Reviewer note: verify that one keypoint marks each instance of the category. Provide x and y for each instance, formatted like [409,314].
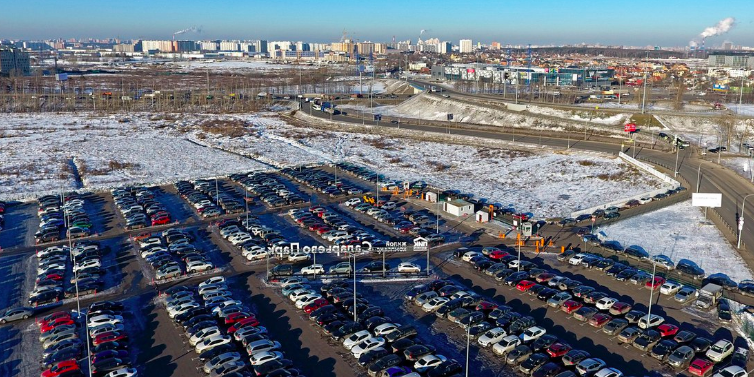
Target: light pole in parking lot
[355,297]
[651,291]
[468,344]
[78,301]
[677,151]
[741,221]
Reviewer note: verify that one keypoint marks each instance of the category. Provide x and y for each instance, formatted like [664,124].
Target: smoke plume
[722,27]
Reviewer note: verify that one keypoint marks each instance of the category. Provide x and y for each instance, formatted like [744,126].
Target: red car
[235,317]
[600,319]
[656,283]
[51,276]
[53,316]
[318,303]
[251,321]
[316,209]
[406,229]
[486,306]
[323,230]
[45,327]
[61,367]
[571,306]
[667,329]
[544,277]
[558,349]
[620,308]
[525,285]
[160,220]
[497,254]
[112,336]
[701,367]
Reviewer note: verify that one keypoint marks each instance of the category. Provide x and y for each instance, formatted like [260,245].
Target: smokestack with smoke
[722,27]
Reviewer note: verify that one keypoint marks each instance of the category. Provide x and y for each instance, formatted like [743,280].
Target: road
[713,178]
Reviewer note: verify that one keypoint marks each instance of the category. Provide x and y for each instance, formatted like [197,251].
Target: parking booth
[430,197]
[482,216]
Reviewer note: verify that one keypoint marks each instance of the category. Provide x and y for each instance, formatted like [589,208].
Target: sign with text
[629,127]
[713,200]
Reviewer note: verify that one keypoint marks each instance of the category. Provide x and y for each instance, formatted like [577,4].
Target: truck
[708,296]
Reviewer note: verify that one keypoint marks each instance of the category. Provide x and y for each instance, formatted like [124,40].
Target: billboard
[629,127]
[713,200]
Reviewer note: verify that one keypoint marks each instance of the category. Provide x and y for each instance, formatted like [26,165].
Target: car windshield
[726,373]
[717,348]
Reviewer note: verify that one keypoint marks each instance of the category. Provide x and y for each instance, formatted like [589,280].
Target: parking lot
[140,271]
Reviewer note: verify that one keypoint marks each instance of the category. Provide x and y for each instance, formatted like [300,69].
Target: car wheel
[26,316]
[3,321]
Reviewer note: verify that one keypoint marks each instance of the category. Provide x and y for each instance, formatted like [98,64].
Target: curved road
[714,178]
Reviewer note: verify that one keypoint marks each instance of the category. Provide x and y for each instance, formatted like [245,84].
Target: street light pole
[468,345]
[651,291]
[354,285]
[741,221]
[677,151]
[699,175]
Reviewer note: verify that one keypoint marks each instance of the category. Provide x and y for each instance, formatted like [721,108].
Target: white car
[299,256]
[260,358]
[664,261]
[229,231]
[210,288]
[315,269]
[649,321]
[227,357]
[609,372]
[506,345]
[385,328]
[199,266]
[107,327]
[670,288]
[352,202]
[367,345]
[459,294]
[203,334]
[123,372]
[355,339]
[434,304]
[720,350]
[211,342]
[306,300]
[243,331]
[732,371]
[172,312]
[212,280]
[576,259]
[492,336]
[254,253]
[300,293]
[605,303]
[104,319]
[293,280]
[428,362]
[240,238]
[408,267]
[531,334]
[466,257]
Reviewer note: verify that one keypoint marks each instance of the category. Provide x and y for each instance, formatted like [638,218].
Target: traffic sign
[629,127]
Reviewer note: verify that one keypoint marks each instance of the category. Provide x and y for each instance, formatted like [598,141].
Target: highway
[713,178]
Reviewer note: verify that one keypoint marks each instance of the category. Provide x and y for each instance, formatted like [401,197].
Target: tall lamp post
[651,292]
[741,221]
[468,346]
[699,175]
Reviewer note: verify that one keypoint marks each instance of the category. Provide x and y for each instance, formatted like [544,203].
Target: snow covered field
[676,231]
[39,152]
[544,182]
[234,65]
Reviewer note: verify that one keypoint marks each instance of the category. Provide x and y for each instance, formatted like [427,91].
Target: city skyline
[549,23]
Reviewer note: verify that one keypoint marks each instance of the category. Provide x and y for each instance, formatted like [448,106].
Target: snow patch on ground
[676,231]
[234,65]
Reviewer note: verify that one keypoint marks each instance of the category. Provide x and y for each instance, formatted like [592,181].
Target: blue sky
[636,22]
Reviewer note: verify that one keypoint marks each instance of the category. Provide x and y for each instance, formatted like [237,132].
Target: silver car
[220,360]
[16,314]
[686,294]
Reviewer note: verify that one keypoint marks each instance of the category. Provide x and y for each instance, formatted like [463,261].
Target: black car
[522,324]
[191,314]
[537,289]
[444,369]
[191,322]
[110,346]
[264,369]
[373,355]
[384,363]
[626,274]
[346,329]
[647,340]
[546,293]
[282,270]
[548,370]
[64,354]
[615,326]
[212,352]
[543,342]
[331,327]
[106,365]
[700,344]
[417,290]
[534,361]
[322,311]
[516,277]
[721,280]
[507,319]
[615,269]
[723,311]
[684,336]
[688,267]
[402,332]
[401,344]
[574,357]
[661,350]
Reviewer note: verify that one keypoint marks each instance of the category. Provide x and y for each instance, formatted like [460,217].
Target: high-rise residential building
[14,62]
[229,46]
[184,46]
[445,47]
[365,48]
[727,45]
[161,46]
[465,46]
[209,45]
[495,46]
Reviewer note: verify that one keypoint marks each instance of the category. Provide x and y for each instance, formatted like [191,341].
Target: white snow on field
[584,116]
[544,182]
[741,165]
[235,65]
[711,131]
[743,109]
[677,232]
[37,151]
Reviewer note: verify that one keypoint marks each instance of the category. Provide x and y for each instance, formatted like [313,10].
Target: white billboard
[713,200]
